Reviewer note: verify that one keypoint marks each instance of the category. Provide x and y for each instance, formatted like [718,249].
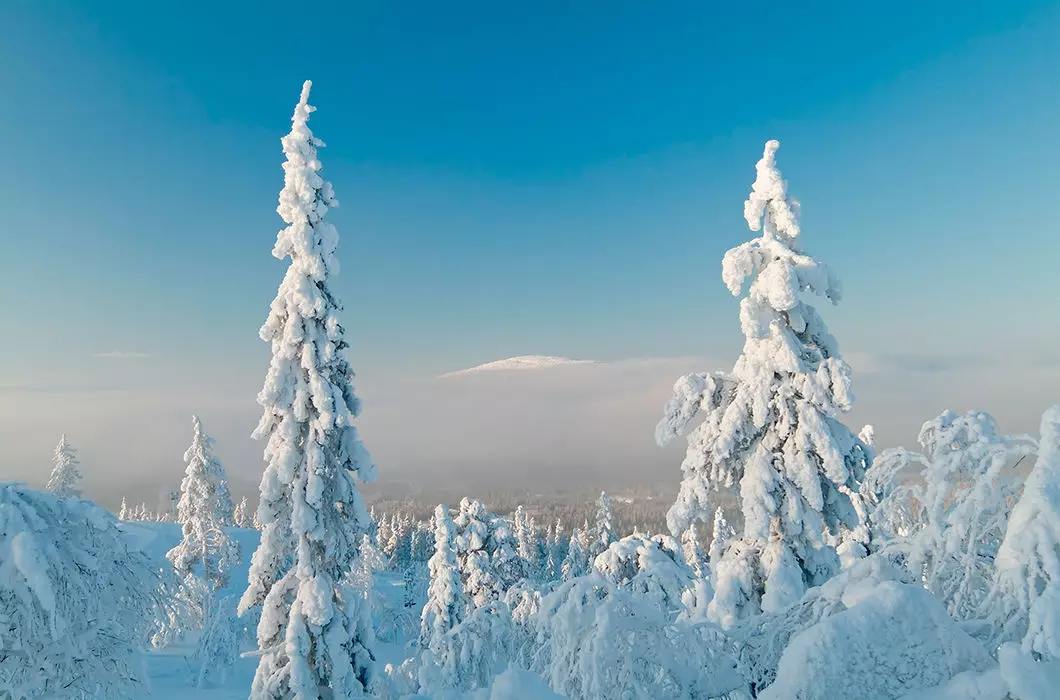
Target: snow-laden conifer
[65,476]
[241,515]
[446,603]
[772,426]
[315,634]
[123,510]
[576,561]
[1024,603]
[604,532]
[204,509]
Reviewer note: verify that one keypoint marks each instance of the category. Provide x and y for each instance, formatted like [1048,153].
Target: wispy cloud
[122,355]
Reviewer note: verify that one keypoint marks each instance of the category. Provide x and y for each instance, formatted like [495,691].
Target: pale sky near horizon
[514,180]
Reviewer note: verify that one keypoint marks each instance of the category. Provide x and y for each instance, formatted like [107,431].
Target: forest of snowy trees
[799,560]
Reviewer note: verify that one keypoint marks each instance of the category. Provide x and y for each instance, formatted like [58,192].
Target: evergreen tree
[446,603]
[314,636]
[772,426]
[202,511]
[694,556]
[576,563]
[604,531]
[241,516]
[123,511]
[65,475]
[1025,601]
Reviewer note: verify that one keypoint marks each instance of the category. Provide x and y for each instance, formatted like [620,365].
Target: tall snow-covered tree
[772,426]
[446,603]
[65,475]
[1024,603]
[123,510]
[314,635]
[203,510]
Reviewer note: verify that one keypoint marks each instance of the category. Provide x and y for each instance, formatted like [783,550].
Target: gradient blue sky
[550,178]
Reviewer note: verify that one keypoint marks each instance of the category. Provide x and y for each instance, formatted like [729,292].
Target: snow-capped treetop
[772,424]
[769,208]
[312,516]
[65,476]
[1025,599]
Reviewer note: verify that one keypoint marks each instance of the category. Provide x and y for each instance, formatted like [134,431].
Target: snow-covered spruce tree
[76,600]
[123,510]
[604,533]
[204,509]
[241,515]
[772,424]
[315,635]
[446,603]
[721,534]
[576,561]
[65,475]
[694,555]
[1024,603]
[489,564]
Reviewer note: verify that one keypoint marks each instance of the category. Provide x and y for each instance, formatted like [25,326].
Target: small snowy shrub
[76,599]
[650,567]
[596,641]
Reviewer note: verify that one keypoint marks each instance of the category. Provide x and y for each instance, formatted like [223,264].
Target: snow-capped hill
[519,363]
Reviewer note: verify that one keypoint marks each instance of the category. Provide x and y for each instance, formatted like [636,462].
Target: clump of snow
[522,362]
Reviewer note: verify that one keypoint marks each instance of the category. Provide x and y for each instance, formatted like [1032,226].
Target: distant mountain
[522,362]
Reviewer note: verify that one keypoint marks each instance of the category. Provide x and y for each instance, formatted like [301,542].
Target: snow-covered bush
[315,629]
[65,476]
[949,523]
[772,425]
[598,642]
[891,639]
[651,568]
[76,599]
[473,652]
[219,643]
[1024,603]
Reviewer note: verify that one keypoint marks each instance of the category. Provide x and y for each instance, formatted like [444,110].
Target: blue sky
[550,178]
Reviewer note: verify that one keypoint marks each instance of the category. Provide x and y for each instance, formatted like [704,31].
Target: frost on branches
[203,511]
[65,476]
[949,523]
[772,425]
[315,635]
[1025,599]
[76,600]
